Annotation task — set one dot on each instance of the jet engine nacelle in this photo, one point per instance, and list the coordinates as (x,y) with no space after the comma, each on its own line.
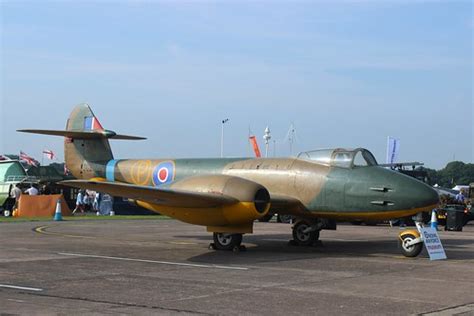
(245,201)
(252,200)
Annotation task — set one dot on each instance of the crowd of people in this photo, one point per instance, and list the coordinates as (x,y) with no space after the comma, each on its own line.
(16,192)
(87,200)
(459,198)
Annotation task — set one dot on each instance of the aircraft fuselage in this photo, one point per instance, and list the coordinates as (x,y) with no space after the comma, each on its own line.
(369,192)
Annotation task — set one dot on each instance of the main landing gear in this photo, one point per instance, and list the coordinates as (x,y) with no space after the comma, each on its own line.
(226,241)
(306,233)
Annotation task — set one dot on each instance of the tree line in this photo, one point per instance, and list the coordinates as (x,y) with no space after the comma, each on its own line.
(455,173)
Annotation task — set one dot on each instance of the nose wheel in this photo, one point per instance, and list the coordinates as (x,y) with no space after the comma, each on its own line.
(225,241)
(410,244)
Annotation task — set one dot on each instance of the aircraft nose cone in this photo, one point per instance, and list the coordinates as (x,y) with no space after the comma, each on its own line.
(415,193)
(426,194)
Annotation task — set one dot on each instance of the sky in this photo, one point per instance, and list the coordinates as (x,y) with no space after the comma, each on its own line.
(345,73)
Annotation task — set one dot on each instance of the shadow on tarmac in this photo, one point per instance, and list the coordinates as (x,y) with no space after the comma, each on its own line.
(275,248)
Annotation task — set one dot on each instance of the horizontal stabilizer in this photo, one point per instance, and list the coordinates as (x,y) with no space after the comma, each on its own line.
(161,196)
(81,134)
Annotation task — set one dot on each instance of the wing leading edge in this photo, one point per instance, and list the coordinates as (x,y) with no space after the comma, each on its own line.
(165,197)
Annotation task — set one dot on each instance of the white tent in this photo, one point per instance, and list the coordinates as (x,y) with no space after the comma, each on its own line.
(460,187)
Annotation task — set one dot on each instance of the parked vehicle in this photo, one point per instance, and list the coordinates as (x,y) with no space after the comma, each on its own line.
(467,210)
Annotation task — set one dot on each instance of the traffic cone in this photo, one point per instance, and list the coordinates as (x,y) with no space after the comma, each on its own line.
(57,214)
(434,220)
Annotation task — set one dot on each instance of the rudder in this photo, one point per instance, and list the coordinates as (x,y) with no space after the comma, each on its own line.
(86,157)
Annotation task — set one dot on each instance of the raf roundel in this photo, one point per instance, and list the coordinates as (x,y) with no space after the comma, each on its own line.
(163,173)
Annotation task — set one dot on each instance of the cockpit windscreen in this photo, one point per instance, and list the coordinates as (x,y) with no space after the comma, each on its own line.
(339,157)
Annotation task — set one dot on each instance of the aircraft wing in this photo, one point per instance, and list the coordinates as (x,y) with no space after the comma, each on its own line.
(160,196)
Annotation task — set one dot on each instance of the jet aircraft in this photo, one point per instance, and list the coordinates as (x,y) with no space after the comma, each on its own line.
(226,195)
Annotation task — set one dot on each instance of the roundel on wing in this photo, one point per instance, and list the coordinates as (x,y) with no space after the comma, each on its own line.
(163,173)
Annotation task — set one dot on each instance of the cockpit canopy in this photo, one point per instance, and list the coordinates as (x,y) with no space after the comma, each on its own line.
(340,157)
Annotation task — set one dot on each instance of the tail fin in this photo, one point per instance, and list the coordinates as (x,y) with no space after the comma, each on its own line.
(86,145)
(86,157)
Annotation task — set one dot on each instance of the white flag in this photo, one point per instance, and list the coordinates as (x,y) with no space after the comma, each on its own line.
(393,148)
(49,154)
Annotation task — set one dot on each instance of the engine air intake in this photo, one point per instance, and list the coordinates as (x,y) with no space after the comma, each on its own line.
(261,200)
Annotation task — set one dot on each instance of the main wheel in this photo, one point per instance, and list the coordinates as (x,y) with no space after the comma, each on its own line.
(225,241)
(413,250)
(303,238)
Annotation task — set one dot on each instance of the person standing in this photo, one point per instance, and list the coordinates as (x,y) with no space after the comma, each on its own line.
(85,200)
(460,197)
(15,193)
(95,204)
(79,203)
(45,189)
(32,190)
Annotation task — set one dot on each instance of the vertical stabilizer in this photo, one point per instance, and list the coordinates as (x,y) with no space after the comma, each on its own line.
(86,145)
(86,157)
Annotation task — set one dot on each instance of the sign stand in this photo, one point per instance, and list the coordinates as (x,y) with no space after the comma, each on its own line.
(432,242)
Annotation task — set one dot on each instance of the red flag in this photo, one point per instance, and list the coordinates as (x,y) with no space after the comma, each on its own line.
(256,150)
(49,154)
(27,159)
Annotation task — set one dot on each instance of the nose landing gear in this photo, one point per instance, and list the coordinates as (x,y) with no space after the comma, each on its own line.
(411,240)
(411,243)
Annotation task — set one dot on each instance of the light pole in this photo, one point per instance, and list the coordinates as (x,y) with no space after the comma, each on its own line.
(267,138)
(222,136)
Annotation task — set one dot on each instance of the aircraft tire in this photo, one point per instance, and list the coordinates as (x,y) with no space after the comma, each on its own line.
(301,238)
(223,241)
(410,251)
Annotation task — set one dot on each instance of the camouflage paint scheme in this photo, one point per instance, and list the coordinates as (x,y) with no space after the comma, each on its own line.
(296,186)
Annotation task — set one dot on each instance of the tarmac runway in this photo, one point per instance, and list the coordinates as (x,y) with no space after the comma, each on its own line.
(165,267)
